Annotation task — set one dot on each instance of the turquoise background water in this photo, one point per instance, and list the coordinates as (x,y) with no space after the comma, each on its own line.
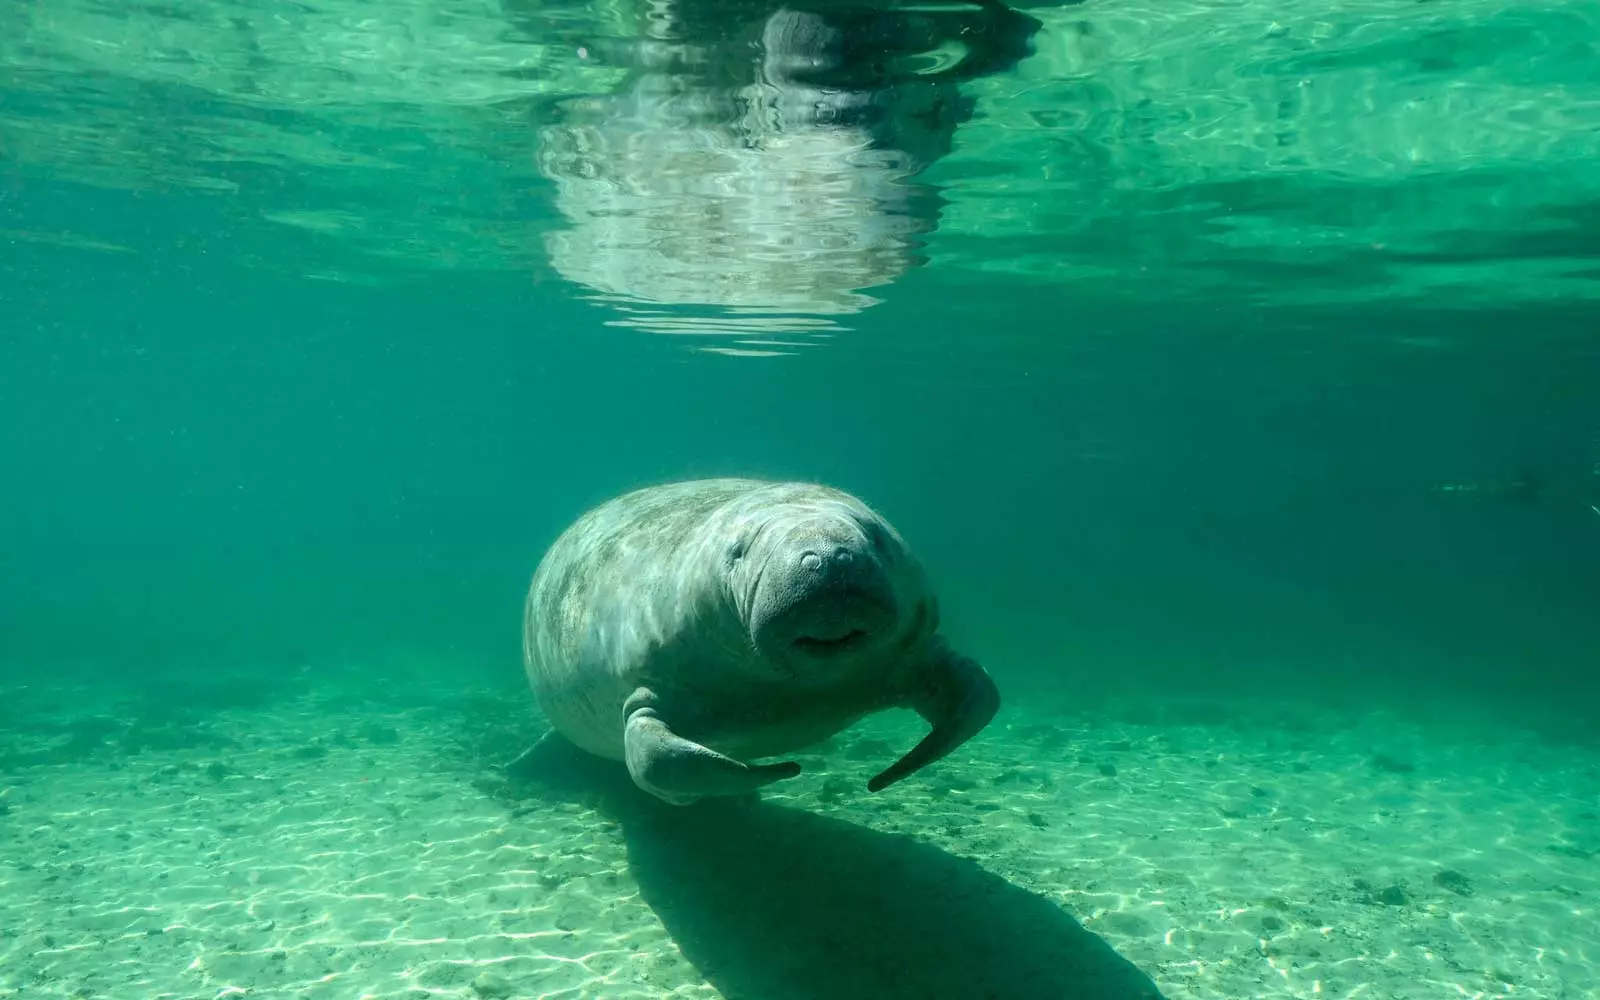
(207,465)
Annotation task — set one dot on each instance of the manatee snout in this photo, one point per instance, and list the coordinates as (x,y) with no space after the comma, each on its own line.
(823,591)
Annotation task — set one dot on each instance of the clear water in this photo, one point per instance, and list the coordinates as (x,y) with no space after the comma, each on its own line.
(1233,367)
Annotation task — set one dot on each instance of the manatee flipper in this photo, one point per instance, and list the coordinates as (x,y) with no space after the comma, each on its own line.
(679,771)
(957,698)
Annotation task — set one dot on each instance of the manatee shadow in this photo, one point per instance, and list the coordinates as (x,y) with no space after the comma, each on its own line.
(776,903)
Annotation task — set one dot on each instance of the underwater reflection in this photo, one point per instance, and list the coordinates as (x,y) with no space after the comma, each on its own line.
(759,167)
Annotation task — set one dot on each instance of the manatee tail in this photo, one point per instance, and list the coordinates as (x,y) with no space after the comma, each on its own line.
(958,698)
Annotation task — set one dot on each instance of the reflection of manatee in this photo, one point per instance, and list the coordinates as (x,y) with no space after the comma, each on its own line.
(678,216)
(784,183)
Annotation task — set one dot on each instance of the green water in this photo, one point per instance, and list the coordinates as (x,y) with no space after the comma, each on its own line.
(1223,361)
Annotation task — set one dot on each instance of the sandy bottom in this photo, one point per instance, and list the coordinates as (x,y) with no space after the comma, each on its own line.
(355,842)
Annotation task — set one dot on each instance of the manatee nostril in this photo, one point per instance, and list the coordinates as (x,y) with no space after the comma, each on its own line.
(811,561)
(842,556)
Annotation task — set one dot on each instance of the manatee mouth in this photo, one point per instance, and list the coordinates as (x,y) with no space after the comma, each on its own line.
(816,645)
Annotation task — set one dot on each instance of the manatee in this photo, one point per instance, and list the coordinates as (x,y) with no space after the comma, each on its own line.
(690,628)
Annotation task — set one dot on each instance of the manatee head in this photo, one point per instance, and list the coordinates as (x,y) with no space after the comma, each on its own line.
(822,584)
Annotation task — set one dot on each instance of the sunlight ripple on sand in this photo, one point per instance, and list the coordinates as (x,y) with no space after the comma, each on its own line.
(314,848)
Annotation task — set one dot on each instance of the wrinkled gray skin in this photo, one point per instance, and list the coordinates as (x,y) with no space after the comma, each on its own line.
(688,628)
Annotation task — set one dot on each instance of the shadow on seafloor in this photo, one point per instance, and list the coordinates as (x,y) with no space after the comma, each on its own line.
(775,903)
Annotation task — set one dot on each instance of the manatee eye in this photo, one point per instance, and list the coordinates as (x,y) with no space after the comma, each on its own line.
(736,551)
(877,537)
